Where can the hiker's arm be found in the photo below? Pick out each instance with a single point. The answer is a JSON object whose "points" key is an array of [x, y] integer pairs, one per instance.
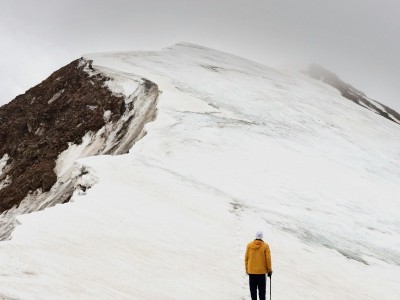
{"points": [[268, 259], [246, 258]]}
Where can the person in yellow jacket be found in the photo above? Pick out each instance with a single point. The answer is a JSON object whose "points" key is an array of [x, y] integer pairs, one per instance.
{"points": [[258, 263]]}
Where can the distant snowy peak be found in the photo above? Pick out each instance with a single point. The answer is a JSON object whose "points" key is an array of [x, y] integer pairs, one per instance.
{"points": [[353, 94]]}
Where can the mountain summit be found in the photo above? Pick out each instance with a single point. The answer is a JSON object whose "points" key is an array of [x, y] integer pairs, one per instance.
{"points": [[168, 161]]}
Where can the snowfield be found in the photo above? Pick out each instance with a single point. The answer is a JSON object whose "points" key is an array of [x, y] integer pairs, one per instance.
{"points": [[236, 147]]}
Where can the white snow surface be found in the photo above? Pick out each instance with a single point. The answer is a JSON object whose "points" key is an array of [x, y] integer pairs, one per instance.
{"points": [[55, 96], [3, 163], [236, 147]]}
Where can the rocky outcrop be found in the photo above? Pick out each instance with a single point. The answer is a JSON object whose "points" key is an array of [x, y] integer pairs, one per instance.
{"points": [[37, 126], [352, 93], [72, 108]]}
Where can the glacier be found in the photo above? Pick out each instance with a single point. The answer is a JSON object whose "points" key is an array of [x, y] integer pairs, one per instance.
{"points": [[235, 147]]}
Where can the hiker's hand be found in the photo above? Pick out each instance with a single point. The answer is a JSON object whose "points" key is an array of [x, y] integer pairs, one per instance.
{"points": [[269, 274]]}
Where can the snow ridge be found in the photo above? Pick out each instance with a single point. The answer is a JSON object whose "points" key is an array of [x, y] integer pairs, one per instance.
{"points": [[236, 147]]}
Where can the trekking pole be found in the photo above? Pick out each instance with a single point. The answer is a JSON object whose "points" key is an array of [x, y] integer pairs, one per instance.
{"points": [[270, 287]]}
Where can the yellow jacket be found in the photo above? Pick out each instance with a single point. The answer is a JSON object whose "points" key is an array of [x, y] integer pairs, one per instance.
{"points": [[258, 258]]}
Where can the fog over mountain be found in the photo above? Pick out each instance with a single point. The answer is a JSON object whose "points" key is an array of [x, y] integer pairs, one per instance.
{"points": [[357, 40]]}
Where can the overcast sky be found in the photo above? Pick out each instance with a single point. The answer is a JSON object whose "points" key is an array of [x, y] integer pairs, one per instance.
{"points": [[356, 39]]}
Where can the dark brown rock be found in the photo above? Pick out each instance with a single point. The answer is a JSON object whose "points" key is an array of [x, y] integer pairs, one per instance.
{"points": [[37, 126]]}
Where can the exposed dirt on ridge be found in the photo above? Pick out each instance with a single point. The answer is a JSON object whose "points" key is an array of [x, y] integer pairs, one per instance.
{"points": [[37, 126]]}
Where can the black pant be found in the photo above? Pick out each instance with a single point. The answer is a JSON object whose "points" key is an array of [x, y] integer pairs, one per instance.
{"points": [[257, 281]]}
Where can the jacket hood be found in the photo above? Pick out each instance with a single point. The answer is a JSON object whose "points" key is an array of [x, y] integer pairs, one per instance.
{"points": [[256, 244]]}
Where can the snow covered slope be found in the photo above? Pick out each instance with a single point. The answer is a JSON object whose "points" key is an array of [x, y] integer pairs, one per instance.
{"points": [[236, 147]]}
